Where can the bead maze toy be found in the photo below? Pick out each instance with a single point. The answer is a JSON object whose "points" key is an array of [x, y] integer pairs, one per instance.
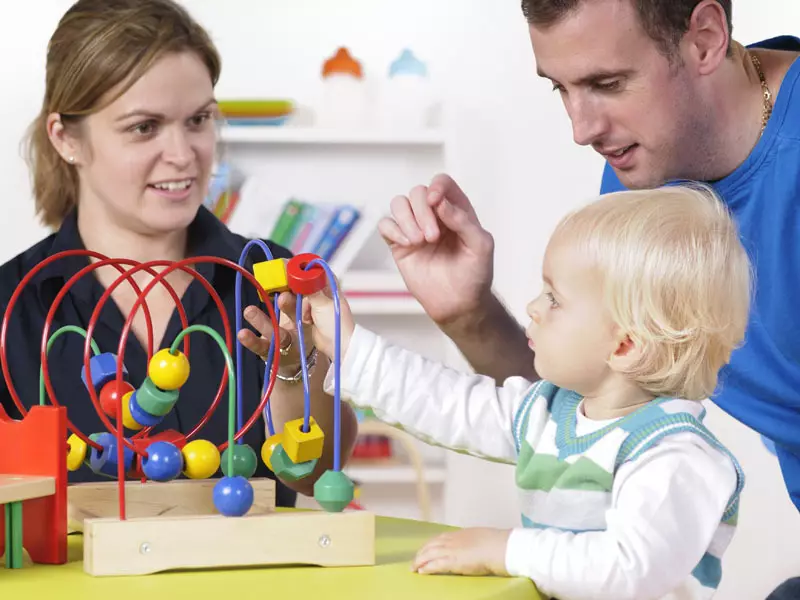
{"points": [[158, 521]]}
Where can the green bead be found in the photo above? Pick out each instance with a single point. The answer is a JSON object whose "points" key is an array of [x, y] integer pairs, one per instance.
{"points": [[334, 491], [155, 401], [285, 469], [244, 461]]}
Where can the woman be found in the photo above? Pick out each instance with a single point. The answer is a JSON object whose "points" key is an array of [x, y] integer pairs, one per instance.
{"points": [[121, 155]]}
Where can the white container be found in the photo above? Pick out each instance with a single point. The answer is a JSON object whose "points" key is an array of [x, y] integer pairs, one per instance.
{"points": [[344, 101], [407, 98]]}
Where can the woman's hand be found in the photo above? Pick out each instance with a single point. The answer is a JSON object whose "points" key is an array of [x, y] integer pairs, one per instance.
{"points": [[287, 326]]}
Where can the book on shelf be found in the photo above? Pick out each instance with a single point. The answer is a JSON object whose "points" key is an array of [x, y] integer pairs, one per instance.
{"points": [[320, 229]]}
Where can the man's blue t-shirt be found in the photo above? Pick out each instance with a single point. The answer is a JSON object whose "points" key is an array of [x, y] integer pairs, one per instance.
{"points": [[761, 386]]}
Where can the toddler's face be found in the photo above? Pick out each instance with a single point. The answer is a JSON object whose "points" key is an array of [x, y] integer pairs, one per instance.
{"points": [[570, 331]]}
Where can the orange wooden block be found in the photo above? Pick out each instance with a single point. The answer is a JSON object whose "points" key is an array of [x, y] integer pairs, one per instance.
{"points": [[37, 445]]}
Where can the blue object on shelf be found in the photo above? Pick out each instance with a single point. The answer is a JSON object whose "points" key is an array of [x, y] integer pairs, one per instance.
{"points": [[408, 64], [257, 121]]}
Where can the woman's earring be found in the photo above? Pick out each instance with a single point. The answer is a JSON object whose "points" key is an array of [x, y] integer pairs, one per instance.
{"points": [[71, 160]]}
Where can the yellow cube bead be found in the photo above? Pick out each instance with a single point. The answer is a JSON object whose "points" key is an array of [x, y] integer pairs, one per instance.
{"points": [[77, 452], [302, 446], [127, 419], [269, 447], [271, 274]]}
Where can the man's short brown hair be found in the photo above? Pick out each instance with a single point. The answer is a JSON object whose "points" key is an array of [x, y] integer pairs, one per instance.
{"points": [[665, 21]]}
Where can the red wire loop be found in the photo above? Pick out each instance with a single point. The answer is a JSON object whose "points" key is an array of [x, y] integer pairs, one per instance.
{"points": [[127, 275]]}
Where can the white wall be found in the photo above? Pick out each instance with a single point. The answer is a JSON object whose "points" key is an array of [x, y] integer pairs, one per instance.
{"points": [[510, 146]]}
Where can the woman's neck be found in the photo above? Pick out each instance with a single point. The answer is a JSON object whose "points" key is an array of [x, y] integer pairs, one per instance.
{"points": [[103, 234]]}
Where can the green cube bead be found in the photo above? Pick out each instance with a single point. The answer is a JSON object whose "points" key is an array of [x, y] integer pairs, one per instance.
{"points": [[334, 491], [285, 469], [244, 461], [155, 401]]}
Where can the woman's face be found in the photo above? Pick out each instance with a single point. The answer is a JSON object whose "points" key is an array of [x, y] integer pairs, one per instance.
{"points": [[144, 161]]}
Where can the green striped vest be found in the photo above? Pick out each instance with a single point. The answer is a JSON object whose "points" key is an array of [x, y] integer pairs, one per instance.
{"points": [[567, 482]]}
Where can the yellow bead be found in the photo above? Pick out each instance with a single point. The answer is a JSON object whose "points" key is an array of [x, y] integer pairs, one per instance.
{"points": [[201, 459], [77, 452], [168, 371], [271, 274], [303, 446], [127, 419], [268, 448]]}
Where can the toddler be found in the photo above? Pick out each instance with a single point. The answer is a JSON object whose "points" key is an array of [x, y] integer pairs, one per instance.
{"points": [[624, 492]]}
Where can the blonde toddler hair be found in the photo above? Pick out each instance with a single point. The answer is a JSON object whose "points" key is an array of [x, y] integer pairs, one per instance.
{"points": [[676, 279]]}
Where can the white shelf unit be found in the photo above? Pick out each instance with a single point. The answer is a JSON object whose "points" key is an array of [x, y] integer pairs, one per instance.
{"points": [[334, 137], [365, 168], [394, 474]]}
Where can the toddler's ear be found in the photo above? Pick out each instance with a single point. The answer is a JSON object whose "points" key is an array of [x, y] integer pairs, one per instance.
{"points": [[627, 353]]}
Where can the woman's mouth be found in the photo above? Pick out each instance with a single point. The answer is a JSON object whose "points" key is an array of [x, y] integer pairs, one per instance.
{"points": [[176, 189]]}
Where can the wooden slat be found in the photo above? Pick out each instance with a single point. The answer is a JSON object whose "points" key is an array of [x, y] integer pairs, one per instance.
{"points": [[143, 546], [183, 497], [15, 488]]}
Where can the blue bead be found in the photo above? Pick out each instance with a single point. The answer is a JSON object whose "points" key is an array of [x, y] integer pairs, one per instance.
{"points": [[233, 496], [104, 369], [105, 461], [140, 415], [164, 461]]}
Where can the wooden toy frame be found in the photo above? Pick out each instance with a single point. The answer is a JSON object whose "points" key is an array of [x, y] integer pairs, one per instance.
{"points": [[140, 527]]}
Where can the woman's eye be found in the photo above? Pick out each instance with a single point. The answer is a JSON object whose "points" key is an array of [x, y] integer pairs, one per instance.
{"points": [[145, 128]]}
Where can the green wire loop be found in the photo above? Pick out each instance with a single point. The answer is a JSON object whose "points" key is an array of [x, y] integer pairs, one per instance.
{"points": [[53, 338], [231, 380]]}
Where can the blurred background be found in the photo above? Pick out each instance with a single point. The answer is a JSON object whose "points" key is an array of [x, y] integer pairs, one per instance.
{"points": [[331, 109]]}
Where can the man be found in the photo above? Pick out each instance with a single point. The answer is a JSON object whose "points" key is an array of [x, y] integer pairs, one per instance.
{"points": [[659, 88]]}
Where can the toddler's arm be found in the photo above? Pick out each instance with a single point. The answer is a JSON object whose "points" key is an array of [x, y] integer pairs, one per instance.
{"points": [[461, 411], [666, 508]]}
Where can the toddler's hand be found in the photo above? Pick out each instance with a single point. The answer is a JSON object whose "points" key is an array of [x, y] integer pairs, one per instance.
{"points": [[474, 551], [319, 311]]}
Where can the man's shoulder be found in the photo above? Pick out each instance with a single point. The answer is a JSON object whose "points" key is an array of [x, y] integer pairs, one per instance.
{"points": [[789, 43]]}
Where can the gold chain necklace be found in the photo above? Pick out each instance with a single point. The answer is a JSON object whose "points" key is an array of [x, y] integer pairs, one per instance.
{"points": [[766, 111]]}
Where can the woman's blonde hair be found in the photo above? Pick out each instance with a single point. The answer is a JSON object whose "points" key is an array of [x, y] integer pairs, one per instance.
{"points": [[676, 278], [97, 46]]}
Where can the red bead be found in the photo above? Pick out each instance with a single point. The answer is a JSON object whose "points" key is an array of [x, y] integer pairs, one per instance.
{"points": [[305, 282], [110, 395]]}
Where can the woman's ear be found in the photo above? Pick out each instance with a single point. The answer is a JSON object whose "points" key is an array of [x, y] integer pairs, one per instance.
{"points": [[64, 143], [626, 354]]}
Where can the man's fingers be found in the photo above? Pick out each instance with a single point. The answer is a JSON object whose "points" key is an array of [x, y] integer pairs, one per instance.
{"points": [[406, 219], [424, 216], [444, 187]]}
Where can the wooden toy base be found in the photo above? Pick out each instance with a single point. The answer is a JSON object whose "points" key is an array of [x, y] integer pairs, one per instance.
{"points": [[175, 526], [144, 546], [184, 497]]}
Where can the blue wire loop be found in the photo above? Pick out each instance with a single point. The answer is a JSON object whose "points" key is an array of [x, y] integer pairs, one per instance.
{"points": [[337, 411], [239, 393]]}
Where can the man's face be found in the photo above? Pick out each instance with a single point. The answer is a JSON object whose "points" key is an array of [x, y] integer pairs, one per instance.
{"points": [[625, 98]]}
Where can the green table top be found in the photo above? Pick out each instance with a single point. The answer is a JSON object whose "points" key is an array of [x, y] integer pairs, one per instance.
{"points": [[391, 578]]}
